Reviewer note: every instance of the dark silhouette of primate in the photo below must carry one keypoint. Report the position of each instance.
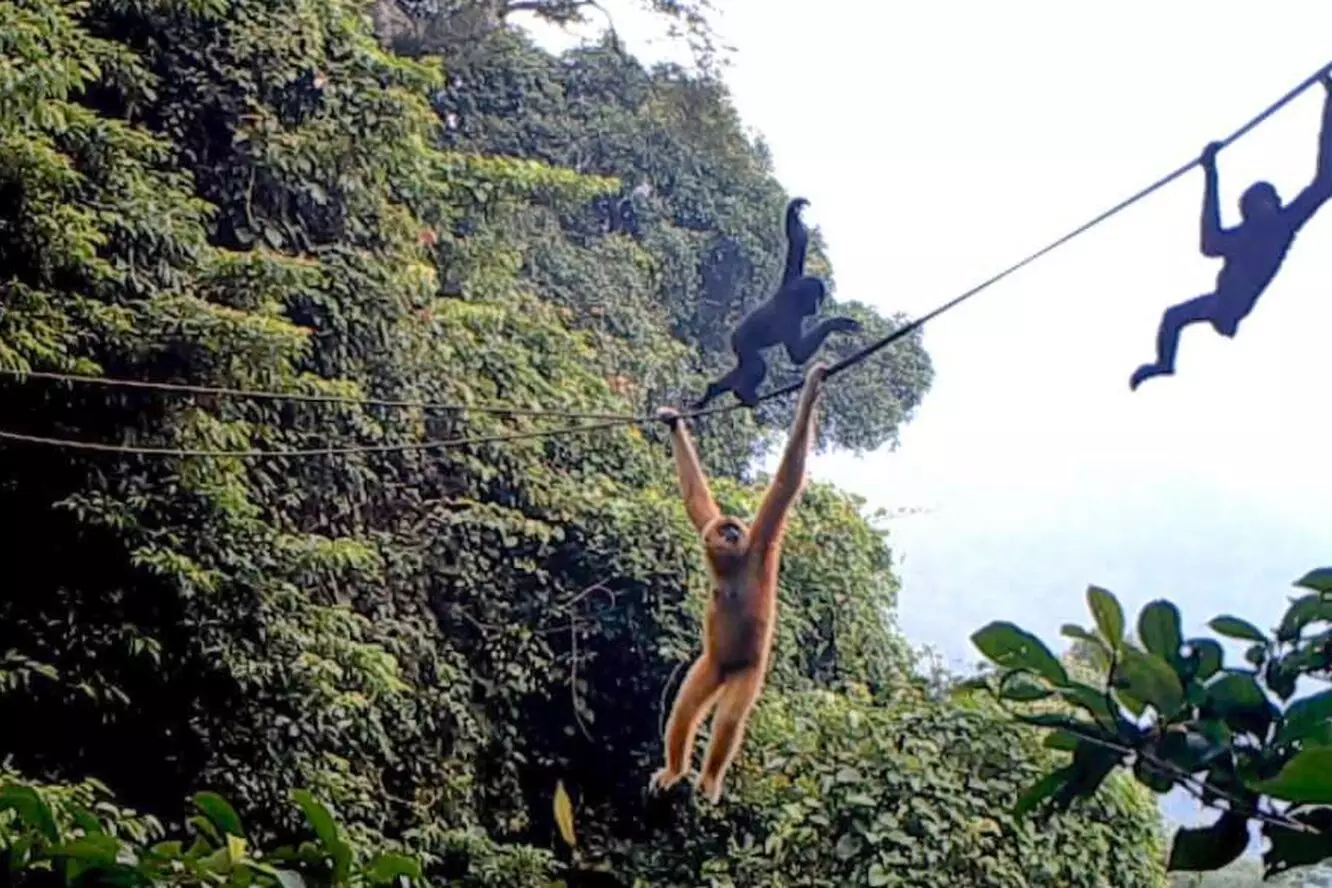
(1253, 250)
(781, 320)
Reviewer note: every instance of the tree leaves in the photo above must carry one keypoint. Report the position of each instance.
(1306, 778)
(219, 813)
(1151, 680)
(1292, 847)
(1158, 629)
(1234, 627)
(1210, 847)
(564, 814)
(1319, 580)
(1199, 709)
(28, 803)
(1010, 647)
(1305, 716)
(1108, 614)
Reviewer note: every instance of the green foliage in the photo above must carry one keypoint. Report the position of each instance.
(1173, 712)
(708, 245)
(78, 833)
(842, 792)
(427, 640)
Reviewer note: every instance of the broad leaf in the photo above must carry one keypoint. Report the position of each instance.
(1158, 629)
(1088, 646)
(1234, 627)
(1210, 847)
(31, 808)
(1302, 611)
(1019, 686)
(1305, 778)
(1297, 847)
(1207, 658)
(1090, 699)
(1064, 741)
(219, 813)
(1151, 680)
(1319, 580)
(1041, 790)
(564, 818)
(386, 868)
(319, 818)
(1237, 698)
(1012, 648)
(1108, 614)
(98, 850)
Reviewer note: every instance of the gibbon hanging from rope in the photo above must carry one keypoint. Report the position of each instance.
(779, 320)
(1252, 251)
(737, 631)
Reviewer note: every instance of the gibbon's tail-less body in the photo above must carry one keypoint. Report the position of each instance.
(737, 633)
(1252, 251)
(779, 321)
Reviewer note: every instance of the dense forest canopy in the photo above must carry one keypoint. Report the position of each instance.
(263, 194)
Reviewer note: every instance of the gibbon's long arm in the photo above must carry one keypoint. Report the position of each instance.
(698, 499)
(1212, 236)
(790, 477)
(1317, 192)
(797, 241)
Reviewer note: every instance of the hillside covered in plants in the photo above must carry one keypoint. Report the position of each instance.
(392, 655)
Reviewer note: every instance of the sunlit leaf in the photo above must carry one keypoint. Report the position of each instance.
(319, 818)
(387, 868)
(31, 808)
(1305, 778)
(564, 818)
(219, 813)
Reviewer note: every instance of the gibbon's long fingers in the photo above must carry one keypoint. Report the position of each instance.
(734, 706)
(696, 695)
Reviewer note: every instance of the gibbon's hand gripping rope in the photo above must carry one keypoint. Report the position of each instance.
(604, 420)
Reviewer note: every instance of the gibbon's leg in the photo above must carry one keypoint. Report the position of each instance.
(801, 348)
(743, 380)
(750, 375)
(1173, 322)
(738, 696)
(696, 695)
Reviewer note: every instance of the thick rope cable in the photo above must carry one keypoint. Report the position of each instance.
(605, 420)
(301, 397)
(348, 450)
(906, 330)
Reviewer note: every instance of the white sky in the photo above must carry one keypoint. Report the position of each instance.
(939, 143)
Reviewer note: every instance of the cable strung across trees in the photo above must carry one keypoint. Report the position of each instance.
(602, 420)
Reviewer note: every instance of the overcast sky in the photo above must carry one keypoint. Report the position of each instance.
(939, 143)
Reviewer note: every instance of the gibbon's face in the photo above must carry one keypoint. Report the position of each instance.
(726, 536)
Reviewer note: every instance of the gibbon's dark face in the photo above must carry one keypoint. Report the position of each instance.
(726, 536)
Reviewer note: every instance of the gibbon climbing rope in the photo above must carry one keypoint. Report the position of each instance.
(602, 420)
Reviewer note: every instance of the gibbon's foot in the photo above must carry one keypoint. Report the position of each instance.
(1146, 372)
(662, 780)
(708, 788)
